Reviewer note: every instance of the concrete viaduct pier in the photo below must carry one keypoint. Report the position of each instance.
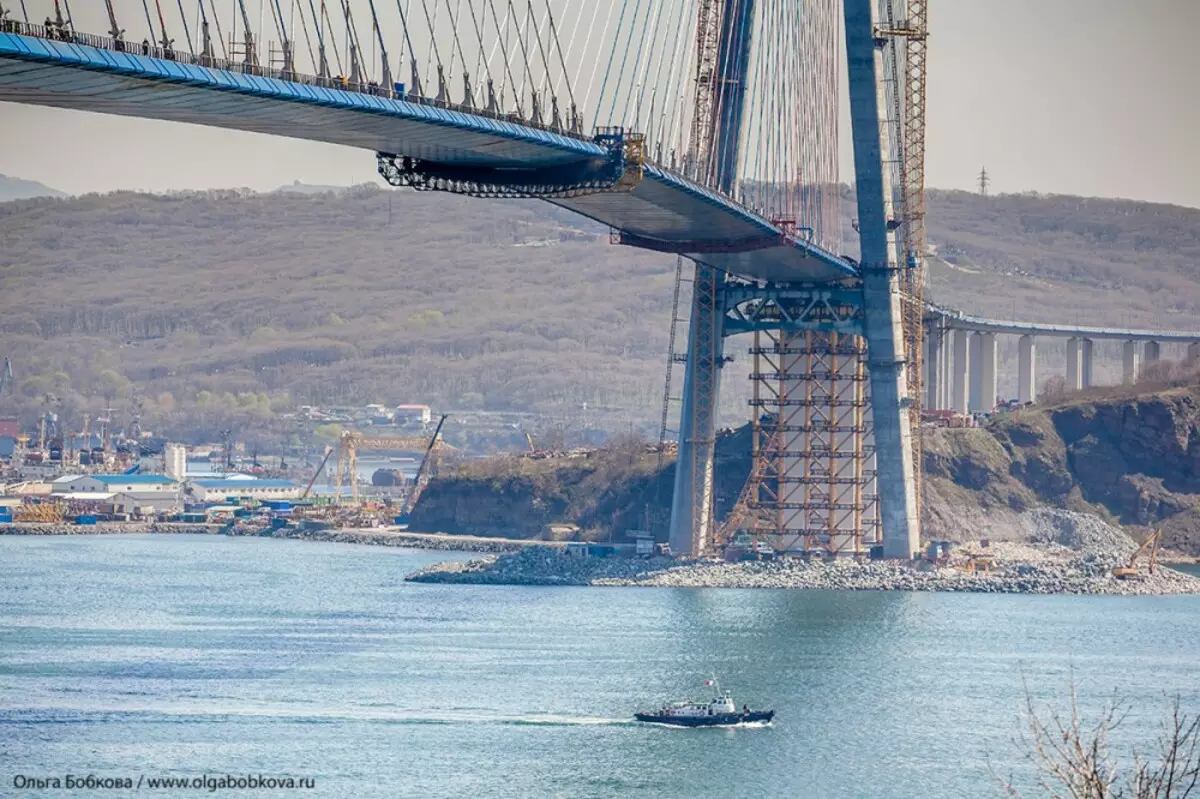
(961, 356)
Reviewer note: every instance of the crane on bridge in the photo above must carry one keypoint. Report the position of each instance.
(351, 442)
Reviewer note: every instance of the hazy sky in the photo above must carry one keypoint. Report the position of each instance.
(1091, 97)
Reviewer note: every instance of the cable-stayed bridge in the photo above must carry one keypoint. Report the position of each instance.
(703, 128)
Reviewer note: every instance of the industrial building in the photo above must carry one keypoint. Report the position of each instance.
(217, 489)
(155, 484)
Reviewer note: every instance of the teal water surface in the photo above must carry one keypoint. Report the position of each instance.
(186, 656)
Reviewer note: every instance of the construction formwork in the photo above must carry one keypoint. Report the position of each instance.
(813, 453)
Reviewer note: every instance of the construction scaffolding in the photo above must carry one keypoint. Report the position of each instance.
(812, 487)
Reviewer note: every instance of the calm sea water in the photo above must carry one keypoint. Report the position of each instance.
(186, 656)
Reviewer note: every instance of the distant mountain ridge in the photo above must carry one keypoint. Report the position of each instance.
(20, 189)
(216, 305)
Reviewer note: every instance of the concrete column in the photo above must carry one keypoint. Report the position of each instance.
(962, 371)
(1194, 351)
(987, 364)
(1086, 362)
(1074, 365)
(692, 501)
(947, 400)
(1151, 352)
(933, 369)
(975, 357)
(1130, 363)
(882, 315)
(1027, 369)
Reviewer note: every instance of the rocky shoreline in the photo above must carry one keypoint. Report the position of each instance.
(547, 568)
(369, 537)
(1066, 553)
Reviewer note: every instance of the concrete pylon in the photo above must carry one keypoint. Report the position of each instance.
(1027, 369)
(1074, 365)
(947, 388)
(1087, 362)
(975, 358)
(962, 371)
(1151, 352)
(987, 369)
(1130, 363)
(882, 315)
(934, 376)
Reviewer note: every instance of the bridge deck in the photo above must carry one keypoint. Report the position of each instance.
(956, 320)
(664, 209)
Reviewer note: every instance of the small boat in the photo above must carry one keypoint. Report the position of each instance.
(717, 712)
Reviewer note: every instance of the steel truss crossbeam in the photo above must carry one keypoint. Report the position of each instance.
(782, 307)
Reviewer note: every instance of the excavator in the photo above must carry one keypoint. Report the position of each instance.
(1149, 548)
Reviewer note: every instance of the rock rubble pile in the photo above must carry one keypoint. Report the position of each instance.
(1069, 553)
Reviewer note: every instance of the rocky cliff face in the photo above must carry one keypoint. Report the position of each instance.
(1131, 461)
(1135, 461)
(592, 497)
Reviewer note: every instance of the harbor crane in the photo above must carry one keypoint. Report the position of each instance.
(317, 473)
(425, 470)
(352, 442)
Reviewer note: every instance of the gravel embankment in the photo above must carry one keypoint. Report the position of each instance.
(1068, 553)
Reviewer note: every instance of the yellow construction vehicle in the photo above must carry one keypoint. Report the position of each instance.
(1149, 547)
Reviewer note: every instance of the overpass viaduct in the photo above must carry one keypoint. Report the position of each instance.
(961, 356)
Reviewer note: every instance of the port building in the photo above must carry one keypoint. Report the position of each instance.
(218, 488)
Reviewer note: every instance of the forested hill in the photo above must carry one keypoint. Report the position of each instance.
(228, 305)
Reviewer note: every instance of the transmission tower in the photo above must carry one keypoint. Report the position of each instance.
(984, 180)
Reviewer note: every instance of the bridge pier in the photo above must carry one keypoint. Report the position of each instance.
(1087, 361)
(882, 316)
(962, 371)
(1129, 363)
(1026, 369)
(1193, 351)
(947, 390)
(692, 501)
(935, 377)
(1151, 352)
(987, 369)
(1074, 365)
(975, 359)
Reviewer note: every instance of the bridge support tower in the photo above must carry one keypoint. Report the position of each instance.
(721, 85)
(883, 320)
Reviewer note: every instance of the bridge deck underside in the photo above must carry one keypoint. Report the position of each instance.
(663, 207)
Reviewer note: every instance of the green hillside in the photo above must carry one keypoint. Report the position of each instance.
(226, 307)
